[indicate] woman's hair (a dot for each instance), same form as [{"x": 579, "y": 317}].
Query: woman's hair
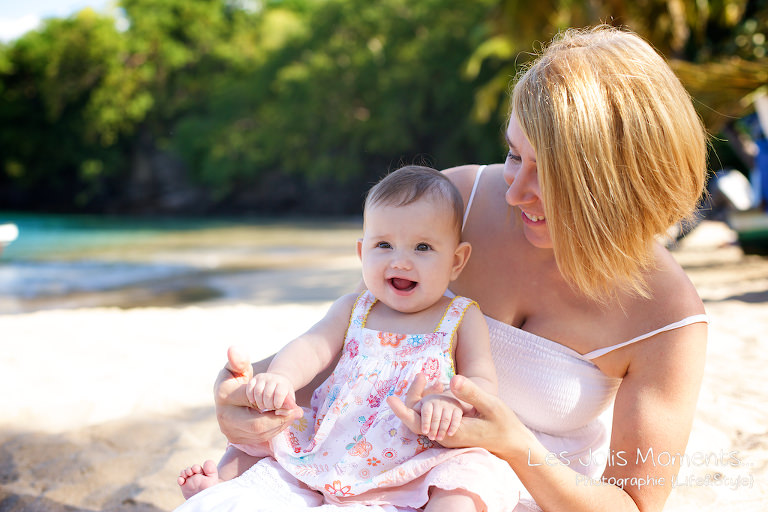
[
  {"x": 412, "y": 182},
  {"x": 620, "y": 151}
]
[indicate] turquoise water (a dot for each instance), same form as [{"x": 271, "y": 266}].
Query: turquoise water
[
  {"x": 52, "y": 237},
  {"x": 68, "y": 260},
  {"x": 60, "y": 255}
]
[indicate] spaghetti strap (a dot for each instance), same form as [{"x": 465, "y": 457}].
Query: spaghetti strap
[
  {"x": 454, "y": 314},
  {"x": 452, "y": 317},
  {"x": 675, "y": 325},
  {"x": 472, "y": 196}
]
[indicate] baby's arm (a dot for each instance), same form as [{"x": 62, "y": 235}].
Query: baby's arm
[
  {"x": 302, "y": 359},
  {"x": 472, "y": 352},
  {"x": 441, "y": 412}
]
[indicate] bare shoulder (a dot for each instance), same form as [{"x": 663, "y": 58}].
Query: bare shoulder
[
  {"x": 342, "y": 307},
  {"x": 463, "y": 177},
  {"x": 672, "y": 298},
  {"x": 661, "y": 347},
  {"x": 346, "y": 301},
  {"x": 673, "y": 293},
  {"x": 672, "y": 358},
  {"x": 473, "y": 319}
]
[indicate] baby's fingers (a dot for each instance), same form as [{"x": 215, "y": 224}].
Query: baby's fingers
[
  {"x": 427, "y": 413},
  {"x": 270, "y": 396},
  {"x": 284, "y": 400},
  {"x": 255, "y": 391},
  {"x": 453, "y": 425},
  {"x": 441, "y": 420}
]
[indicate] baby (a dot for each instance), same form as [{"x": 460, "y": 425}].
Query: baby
[{"x": 349, "y": 445}]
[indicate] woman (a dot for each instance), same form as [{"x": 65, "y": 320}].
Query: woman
[{"x": 598, "y": 335}]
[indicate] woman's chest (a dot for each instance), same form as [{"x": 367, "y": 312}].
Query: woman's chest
[
  {"x": 548, "y": 386},
  {"x": 531, "y": 295}
]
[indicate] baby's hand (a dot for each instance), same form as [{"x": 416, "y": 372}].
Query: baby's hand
[
  {"x": 440, "y": 416},
  {"x": 271, "y": 392}
]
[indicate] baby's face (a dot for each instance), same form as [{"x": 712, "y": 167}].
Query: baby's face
[{"x": 409, "y": 253}]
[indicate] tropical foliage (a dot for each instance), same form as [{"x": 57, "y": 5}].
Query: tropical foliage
[{"x": 297, "y": 105}]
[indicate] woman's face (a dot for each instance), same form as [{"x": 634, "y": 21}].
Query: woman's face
[{"x": 524, "y": 192}]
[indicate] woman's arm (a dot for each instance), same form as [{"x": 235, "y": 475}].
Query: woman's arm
[
  {"x": 652, "y": 415},
  {"x": 653, "y": 412}
]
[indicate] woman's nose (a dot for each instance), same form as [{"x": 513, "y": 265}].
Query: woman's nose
[{"x": 523, "y": 185}]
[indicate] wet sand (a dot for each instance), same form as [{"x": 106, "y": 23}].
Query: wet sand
[{"x": 102, "y": 406}]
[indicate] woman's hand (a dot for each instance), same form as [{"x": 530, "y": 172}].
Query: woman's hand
[
  {"x": 237, "y": 421},
  {"x": 493, "y": 425}
]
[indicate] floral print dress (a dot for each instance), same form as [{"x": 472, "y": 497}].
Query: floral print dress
[{"x": 350, "y": 445}]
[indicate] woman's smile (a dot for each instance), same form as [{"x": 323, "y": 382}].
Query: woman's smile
[{"x": 533, "y": 218}]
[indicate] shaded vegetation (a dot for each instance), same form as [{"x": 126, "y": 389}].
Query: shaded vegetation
[{"x": 298, "y": 105}]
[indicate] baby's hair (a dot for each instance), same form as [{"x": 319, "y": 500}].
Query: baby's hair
[{"x": 412, "y": 182}]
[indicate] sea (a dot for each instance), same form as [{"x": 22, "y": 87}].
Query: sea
[{"x": 72, "y": 261}]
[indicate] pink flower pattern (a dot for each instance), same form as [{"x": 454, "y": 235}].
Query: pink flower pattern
[{"x": 350, "y": 419}]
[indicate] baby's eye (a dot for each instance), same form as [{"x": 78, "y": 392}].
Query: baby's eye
[
  {"x": 423, "y": 247},
  {"x": 383, "y": 245}
]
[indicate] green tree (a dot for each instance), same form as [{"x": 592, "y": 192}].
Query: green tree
[
  {"x": 50, "y": 148},
  {"x": 717, "y": 47},
  {"x": 205, "y": 104},
  {"x": 352, "y": 89}
]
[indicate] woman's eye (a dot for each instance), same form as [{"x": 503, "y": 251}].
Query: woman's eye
[
  {"x": 512, "y": 156},
  {"x": 383, "y": 245},
  {"x": 423, "y": 247}
]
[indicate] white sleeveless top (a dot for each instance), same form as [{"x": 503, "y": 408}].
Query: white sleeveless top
[{"x": 561, "y": 395}]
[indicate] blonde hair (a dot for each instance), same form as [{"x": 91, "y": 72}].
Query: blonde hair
[{"x": 620, "y": 150}]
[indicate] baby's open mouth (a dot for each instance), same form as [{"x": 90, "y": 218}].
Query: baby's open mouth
[{"x": 403, "y": 285}]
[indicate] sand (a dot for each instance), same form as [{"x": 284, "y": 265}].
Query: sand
[{"x": 101, "y": 407}]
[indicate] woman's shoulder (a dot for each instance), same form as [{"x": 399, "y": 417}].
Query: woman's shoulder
[
  {"x": 670, "y": 287},
  {"x": 671, "y": 298},
  {"x": 463, "y": 176}
]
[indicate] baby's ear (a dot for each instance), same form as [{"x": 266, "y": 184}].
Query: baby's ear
[
  {"x": 460, "y": 259},
  {"x": 360, "y": 248}
]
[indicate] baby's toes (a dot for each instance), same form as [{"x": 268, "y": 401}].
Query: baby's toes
[{"x": 209, "y": 467}]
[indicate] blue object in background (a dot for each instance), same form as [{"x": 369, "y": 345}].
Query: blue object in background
[{"x": 761, "y": 174}]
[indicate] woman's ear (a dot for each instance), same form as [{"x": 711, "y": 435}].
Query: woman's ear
[{"x": 460, "y": 259}]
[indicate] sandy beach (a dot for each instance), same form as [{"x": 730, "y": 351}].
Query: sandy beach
[{"x": 101, "y": 407}]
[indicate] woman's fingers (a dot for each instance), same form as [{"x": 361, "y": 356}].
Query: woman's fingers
[
  {"x": 290, "y": 408},
  {"x": 243, "y": 425},
  {"x": 464, "y": 389},
  {"x": 407, "y": 415},
  {"x": 416, "y": 391},
  {"x": 238, "y": 364},
  {"x": 230, "y": 386}
]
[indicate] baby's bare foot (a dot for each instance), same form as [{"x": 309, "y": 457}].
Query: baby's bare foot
[{"x": 196, "y": 478}]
